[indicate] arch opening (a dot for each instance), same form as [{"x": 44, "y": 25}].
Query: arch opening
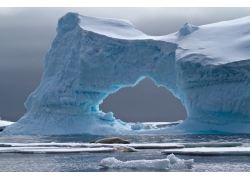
[{"x": 144, "y": 102}]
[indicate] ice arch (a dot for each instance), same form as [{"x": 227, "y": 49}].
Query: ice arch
[
  {"x": 207, "y": 67},
  {"x": 144, "y": 102},
  {"x": 89, "y": 59}
]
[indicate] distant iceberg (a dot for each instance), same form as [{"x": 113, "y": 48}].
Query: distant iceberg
[{"x": 207, "y": 67}]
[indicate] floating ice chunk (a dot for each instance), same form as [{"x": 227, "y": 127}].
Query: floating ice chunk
[
  {"x": 53, "y": 144},
  {"x": 20, "y": 149},
  {"x": 112, "y": 162},
  {"x": 156, "y": 145},
  {"x": 53, "y": 150},
  {"x": 149, "y": 126},
  {"x": 137, "y": 126},
  {"x": 180, "y": 163},
  {"x": 239, "y": 151},
  {"x": 169, "y": 163},
  {"x": 125, "y": 149},
  {"x": 133, "y": 145},
  {"x": 155, "y": 125},
  {"x": 208, "y": 144},
  {"x": 5, "y": 123}
]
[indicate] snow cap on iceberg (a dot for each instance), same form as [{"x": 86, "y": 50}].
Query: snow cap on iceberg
[{"x": 187, "y": 29}]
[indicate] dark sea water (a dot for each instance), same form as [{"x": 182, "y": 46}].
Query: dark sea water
[{"x": 88, "y": 162}]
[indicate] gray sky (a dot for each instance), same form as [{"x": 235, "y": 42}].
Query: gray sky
[{"x": 26, "y": 35}]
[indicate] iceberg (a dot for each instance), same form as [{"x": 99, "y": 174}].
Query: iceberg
[{"x": 207, "y": 67}]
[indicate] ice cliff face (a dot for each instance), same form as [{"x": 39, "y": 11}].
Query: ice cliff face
[{"x": 207, "y": 67}]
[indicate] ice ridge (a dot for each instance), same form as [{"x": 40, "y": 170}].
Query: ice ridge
[{"x": 187, "y": 29}]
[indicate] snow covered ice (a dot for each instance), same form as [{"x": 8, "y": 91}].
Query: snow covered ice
[
  {"x": 171, "y": 162},
  {"x": 211, "y": 151},
  {"x": 207, "y": 67},
  {"x": 4, "y": 124}
]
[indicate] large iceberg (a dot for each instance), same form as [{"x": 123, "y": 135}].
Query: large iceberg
[{"x": 207, "y": 67}]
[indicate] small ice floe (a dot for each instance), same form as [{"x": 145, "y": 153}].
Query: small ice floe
[
  {"x": 137, "y": 126},
  {"x": 156, "y": 145},
  {"x": 155, "y": 125},
  {"x": 144, "y": 145},
  {"x": 171, "y": 162},
  {"x": 209, "y": 151},
  {"x": 125, "y": 149},
  {"x": 4, "y": 124},
  {"x": 53, "y": 150},
  {"x": 209, "y": 144},
  {"x": 75, "y": 145}
]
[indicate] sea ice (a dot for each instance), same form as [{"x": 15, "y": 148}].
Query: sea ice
[
  {"x": 77, "y": 145},
  {"x": 4, "y": 124},
  {"x": 209, "y": 151},
  {"x": 171, "y": 162},
  {"x": 137, "y": 126},
  {"x": 207, "y": 67},
  {"x": 211, "y": 144},
  {"x": 54, "y": 150}
]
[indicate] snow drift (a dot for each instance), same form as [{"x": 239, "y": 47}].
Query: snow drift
[{"x": 207, "y": 67}]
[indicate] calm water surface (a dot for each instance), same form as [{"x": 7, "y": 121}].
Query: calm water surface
[{"x": 88, "y": 162}]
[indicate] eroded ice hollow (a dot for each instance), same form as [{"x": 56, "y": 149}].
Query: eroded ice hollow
[{"x": 207, "y": 67}]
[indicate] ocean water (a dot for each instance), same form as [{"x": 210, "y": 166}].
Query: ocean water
[{"x": 88, "y": 162}]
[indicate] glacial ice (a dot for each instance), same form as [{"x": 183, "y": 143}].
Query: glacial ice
[
  {"x": 4, "y": 124},
  {"x": 207, "y": 67},
  {"x": 171, "y": 162}
]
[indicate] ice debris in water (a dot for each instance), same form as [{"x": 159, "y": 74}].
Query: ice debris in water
[
  {"x": 140, "y": 126},
  {"x": 125, "y": 149},
  {"x": 171, "y": 162},
  {"x": 137, "y": 126}
]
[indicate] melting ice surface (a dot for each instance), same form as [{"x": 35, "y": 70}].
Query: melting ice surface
[
  {"x": 171, "y": 162},
  {"x": 207, "y": 67}
]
